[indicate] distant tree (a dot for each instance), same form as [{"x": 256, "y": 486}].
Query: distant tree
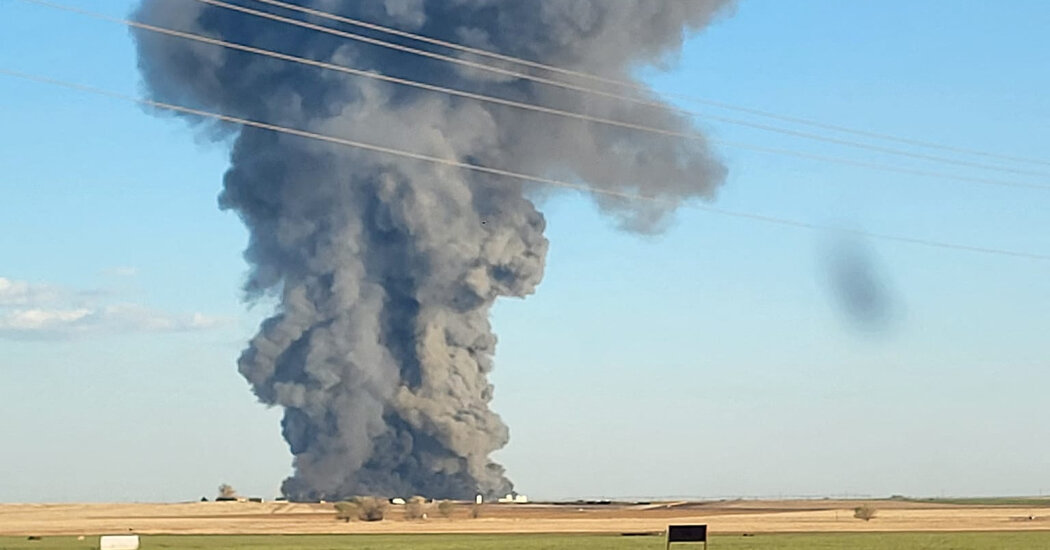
[
  {"x": 446, "y": 508},
  {"x": 227, "y": 491},
  {"x": 346, "y": 511},
  {"x": 415, "y": 508},
  {"x": 866, "y": 512},
  {"x": 370, "y": 508}
]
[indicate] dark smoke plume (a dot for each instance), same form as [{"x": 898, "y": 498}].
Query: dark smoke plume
[{"x": 386, "y": 269}]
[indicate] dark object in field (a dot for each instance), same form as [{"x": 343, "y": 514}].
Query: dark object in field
[
  {"x": 447, "y": 508},
  {"x": 686, "y": 533},
  {"x": 866, "y": 512},
  {"x": 346, "y": 511},
  {"x": 415, "y": 508},
  {"x": 34, "y": 537},
  {"x": 371, "y": 508},
  {"x": 642, "y": 534}
]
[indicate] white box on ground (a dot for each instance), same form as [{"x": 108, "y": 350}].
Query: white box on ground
[{"x": 119, "y": 542}]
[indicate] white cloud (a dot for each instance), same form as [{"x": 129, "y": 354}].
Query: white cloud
[
  {"x": 39, "y": 311},
  {"x": 122, "y": 271},
  {"x": 39, "y": 319},
  {"x": 201, "y": 321},
  {"x": 21, "y": 293}
]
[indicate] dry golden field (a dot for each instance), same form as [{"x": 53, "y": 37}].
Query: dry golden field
[{"x": 723, "y": 517}]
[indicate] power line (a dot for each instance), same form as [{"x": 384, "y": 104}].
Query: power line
[
  {"x": 507, "y": 173},
  {"x": 641, "y": 88},
  {"x": 644, "y": 102},
  {"x": 529, "y": 106}
]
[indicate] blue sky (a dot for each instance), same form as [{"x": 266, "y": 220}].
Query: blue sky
[{"x": 711, "y": 360}]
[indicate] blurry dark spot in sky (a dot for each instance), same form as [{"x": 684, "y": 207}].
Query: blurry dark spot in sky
[{"x": 858, "y": 284}]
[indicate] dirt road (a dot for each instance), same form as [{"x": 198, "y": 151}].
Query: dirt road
[{"x": 722, "y": 517}]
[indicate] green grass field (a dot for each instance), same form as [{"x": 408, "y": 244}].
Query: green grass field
[{"x": 889, "y": 541}]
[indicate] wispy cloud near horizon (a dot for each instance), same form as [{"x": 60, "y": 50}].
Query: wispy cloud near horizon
[
  {"x": 40, "y": 311},
  {"x": 122, "y": 271}
]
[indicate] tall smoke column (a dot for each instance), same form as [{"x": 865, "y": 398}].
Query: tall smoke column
[{"x": 385, "y": 268}]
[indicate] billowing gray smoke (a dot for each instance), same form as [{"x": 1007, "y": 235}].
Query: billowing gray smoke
[{"x": 385, "y": 268}]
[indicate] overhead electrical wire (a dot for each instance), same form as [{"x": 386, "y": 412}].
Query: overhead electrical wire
[
  {"x": 529, "y": 106},
  {"x": 392, "y": 151},
  {"x": 634, "y": 86},
  {"x": 583, "y": 89}
]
